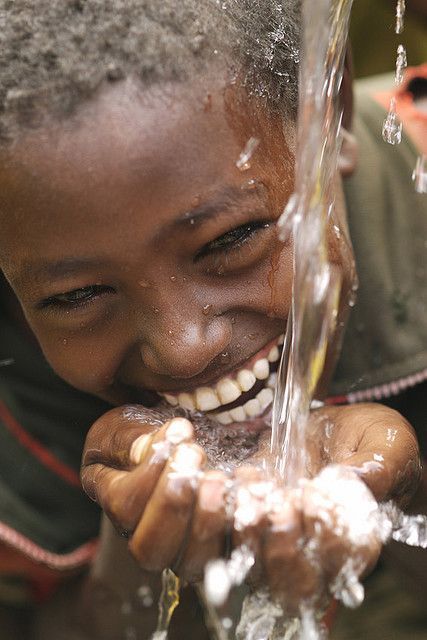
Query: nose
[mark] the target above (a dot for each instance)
(184, 347)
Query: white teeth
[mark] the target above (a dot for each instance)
(228, 390)
(186, 401)
(238, 414)
(261, 369)
(265, 397)
(170, 399)
(206, 399)
(224, 417)
(273, 355)
(246, 379)
(252, 408)
(271, 382)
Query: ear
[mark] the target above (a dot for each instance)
(347, 159)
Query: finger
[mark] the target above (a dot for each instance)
(291, 575)
(208, 527)
(124, 494)
(162, 530)
(110, 438)
(251, 514)
(342, 533)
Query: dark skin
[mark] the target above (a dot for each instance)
(143, 260)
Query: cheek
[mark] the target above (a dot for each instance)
(279, 279)
(88, 363)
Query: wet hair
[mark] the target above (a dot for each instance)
(55, 54)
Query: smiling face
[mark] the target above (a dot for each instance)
(144, 258)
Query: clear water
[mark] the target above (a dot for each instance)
(419, 175)
(316, 287)
(401, 64)
(392, 127)
(400, 16)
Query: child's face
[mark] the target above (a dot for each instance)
(144, 259)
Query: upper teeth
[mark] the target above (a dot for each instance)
(228, 390)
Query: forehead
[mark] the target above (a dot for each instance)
(126, 154)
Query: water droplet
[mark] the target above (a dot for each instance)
(220, 270)
(145, 594)
(419, 175)
(144, 283)
(225, 357)
(156, 310)
(65, 341)
(250, 185)
(172, 278)
(392, 127)
(400, 16)
(252, 336)
(401, 64)
(206, 309)
(170, 332)
(233, 320)
(243, 162)
(227, 623)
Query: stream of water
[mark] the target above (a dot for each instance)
(312, 322)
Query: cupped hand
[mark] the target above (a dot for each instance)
(153, 482)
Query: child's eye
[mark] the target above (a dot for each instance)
(77, 297)
(232, 239)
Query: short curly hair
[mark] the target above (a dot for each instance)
(54, 54)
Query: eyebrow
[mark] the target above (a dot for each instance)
(221, 203)
(61, 268)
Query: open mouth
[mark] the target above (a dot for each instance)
(240, 396)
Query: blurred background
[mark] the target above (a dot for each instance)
(374, 40)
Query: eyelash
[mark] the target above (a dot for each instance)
(247, 230)
(85, 295)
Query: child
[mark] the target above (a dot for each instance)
(148, 268)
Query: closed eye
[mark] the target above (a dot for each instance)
(77, 297)
(233, 239)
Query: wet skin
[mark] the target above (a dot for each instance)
(143, 260)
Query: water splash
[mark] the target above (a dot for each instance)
(222, 575)
(169, 600)
(401, 64)
(400, 16)
(419, 175)
(392, 127)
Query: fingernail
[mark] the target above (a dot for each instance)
(179, 429)
(139, 448)
(212, 495)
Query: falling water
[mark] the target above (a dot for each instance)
(169, 600)
(401, 64)
(400, 16)
(316, 288)
(392, 127)
(419, 175)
